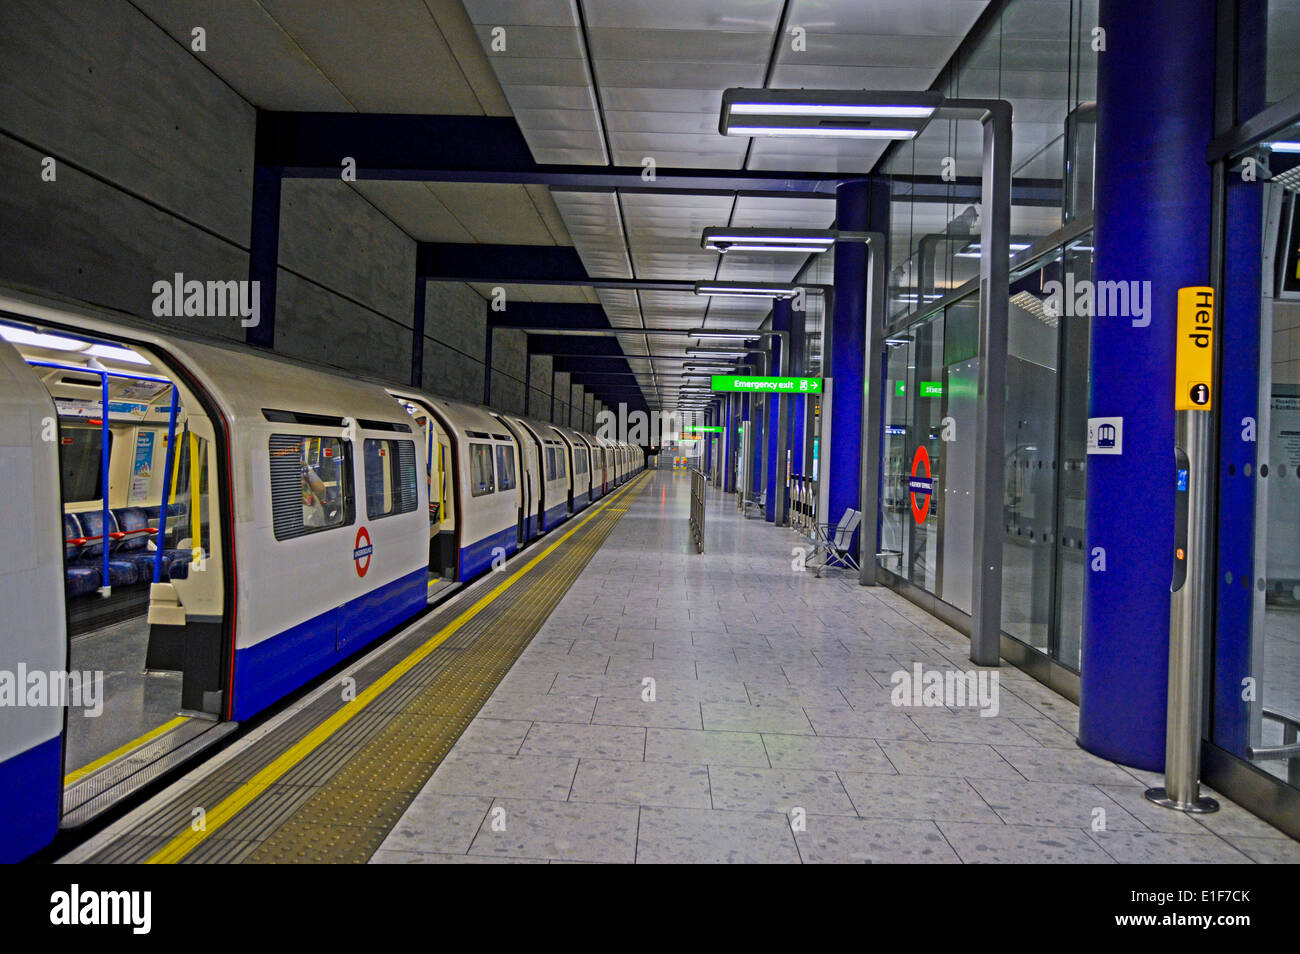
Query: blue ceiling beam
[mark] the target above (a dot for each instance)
(420, 148)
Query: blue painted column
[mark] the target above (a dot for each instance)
(728, 441)
(781, 310)
(1152, 226)
(857, 204)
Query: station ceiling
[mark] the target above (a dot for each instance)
(593, 82)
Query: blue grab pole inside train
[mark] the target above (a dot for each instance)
(166, 488)
(103, 468)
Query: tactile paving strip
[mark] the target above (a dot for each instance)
(339, 802)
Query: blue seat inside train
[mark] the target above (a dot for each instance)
(130, 557)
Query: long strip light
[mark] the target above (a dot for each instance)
(845, 114)
(746, 289)
(799, 241)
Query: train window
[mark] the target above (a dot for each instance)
(311, 484)
(390, 477)
(80, 457)
(579, 460)
(550, 462)
(561, 468)
(480, 470)
(505, 467)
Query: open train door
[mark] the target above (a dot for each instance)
(34, 641)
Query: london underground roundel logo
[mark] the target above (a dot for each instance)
(921, 486)
(361, 553)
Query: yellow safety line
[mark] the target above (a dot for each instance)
(100, 762)
(239, 799)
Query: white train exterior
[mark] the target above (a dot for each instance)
(327, 506)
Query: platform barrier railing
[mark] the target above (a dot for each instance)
(803, 508)
(699, 484)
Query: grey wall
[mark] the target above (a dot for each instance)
(577, 404)
(539, 399)
(509, 368)
(153, 154)
(346, 287)
(455, 320)
(561, 397)
(154, 160)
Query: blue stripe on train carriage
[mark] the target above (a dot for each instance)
(277, 666)
(555, 515)
(30, 788)
(477, 557)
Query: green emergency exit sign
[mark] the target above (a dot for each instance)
(923, 388)
(770, 385)
(700, 428)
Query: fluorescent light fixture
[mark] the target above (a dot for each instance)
(799, 241)
(36, 339)
(111, 353)
(742, 335)
(973, 249)
(704, 351)
(847, 110)
(846, 114)
(1284, 146)
(746, 289)
(836, 132)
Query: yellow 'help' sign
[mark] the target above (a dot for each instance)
(1194, 351)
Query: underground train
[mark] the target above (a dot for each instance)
(236, 522)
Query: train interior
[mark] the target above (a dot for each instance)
(441, 478)
(144, 585)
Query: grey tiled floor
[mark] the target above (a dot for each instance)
(772, 736)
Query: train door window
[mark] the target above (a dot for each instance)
(550, 462)
(560, 469)
(579, 460)
(505, 467)
(390, 477)
(480, 470)
(188, 529)
(311, 484)
(80, 460)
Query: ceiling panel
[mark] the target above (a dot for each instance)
(653, 87)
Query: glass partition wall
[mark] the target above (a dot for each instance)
(1038, 55)
(931, 384)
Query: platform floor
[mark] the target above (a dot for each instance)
(515, 724)
(772, 737)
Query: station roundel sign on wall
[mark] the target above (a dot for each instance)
(361, 552)
(921, 486)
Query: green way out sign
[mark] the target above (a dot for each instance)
(701, 429)
(730, 382)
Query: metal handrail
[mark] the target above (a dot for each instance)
(698, 487)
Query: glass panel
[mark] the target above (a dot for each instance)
(481, 480)
(1076, 332)
(505, 467)
(1257, 639)
(925, 453)
(390, 477)
(1268, 38)
(80, 460)
(1029, 461)
(960, 382)
(310, 484)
